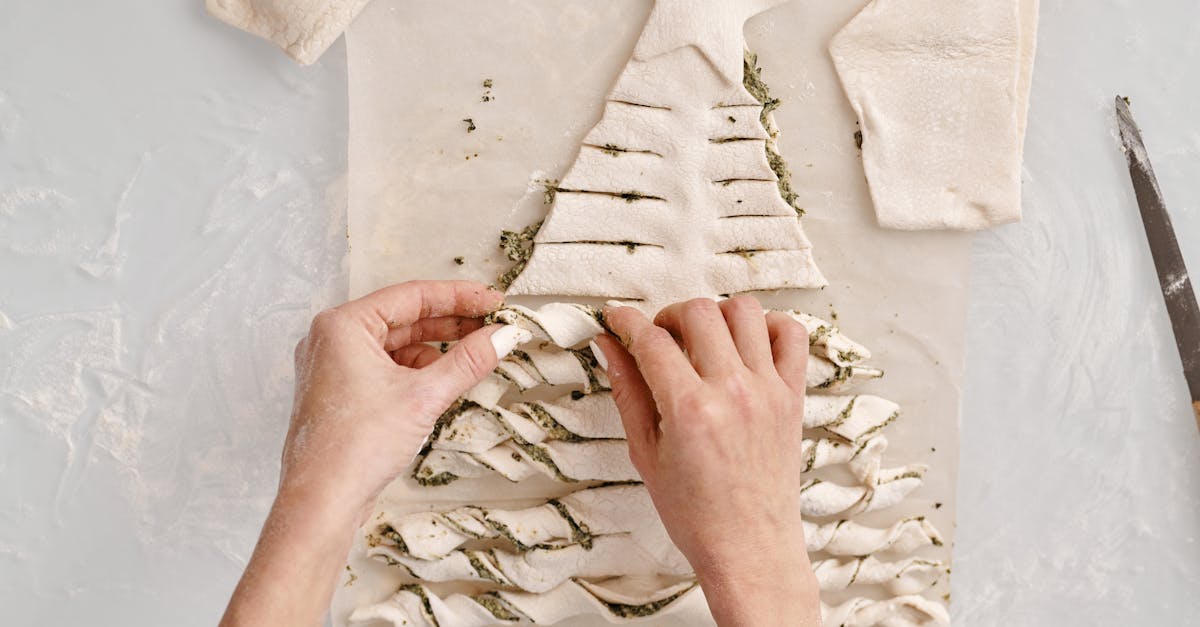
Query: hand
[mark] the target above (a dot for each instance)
(368, 392)
(369, 389)
(714, 429)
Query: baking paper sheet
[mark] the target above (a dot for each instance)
(423, 190)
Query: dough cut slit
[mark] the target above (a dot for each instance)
(616, 151)
(630, 196)
(727, 182)
(639, 104)
(726, 140)
(630, 245)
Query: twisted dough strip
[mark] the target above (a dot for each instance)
(416, 606)
(901, 611)
(851, 417)
(585, 514)
(543, 568)
(599, 532)
(821, 498)
(837, 362)
(555, 440)
(473, 440)
(908, 576)
(848, 538)
(564, 324)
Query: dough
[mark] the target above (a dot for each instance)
(678, 191)
(304, 29)
(542, 562)
(941, 91)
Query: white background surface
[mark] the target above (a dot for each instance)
(166, 193)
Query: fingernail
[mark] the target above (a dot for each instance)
(598, 354)
(506, 338)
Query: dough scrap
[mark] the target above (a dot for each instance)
(941, 91)
(304, 29)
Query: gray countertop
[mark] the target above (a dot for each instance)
(172, 210)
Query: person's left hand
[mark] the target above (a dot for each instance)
(369, 388)
(368, 392)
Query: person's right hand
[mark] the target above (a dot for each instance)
(712, 399)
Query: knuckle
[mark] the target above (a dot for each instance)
(471, 361)
(649, 335)
(697, 408)
(744, 304)
(739, 388)
(700, 305)
(326, 323)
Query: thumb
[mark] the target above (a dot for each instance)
(635, 402)
(470, 360)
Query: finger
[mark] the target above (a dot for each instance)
(470, 360)
(789, 346)
(748, 327)
(660, 361)
(404, 304)
(634, 400)
(705, 335)
(440, 329)
(416, 355)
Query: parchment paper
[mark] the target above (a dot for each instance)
(423, 190)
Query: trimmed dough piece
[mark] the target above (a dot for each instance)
(304, 29)
(941, 92)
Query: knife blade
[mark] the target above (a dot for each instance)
(1164, 248)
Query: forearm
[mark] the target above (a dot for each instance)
(770, 592)
(295, 566)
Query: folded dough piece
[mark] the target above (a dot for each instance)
(304, 29)
(941, 91)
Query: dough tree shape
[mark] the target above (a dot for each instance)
(679, 191)
(548, 410)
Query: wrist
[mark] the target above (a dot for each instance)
(773, 587)
(320, 508)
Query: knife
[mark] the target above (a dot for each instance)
(1172, 273)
